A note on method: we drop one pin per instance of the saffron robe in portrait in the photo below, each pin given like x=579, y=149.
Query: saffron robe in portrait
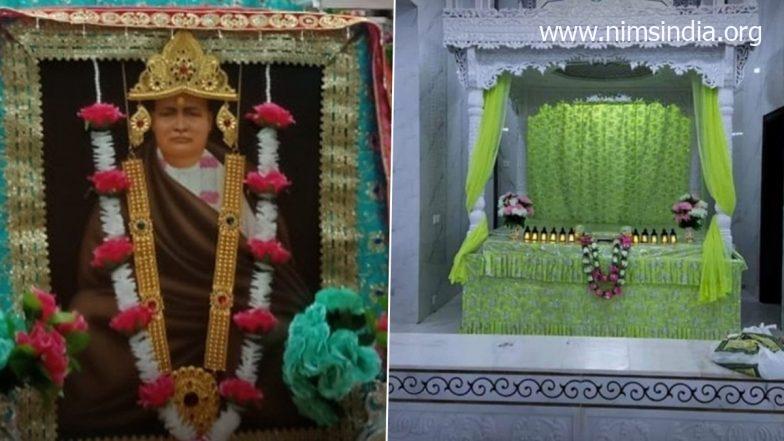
x=102, y=399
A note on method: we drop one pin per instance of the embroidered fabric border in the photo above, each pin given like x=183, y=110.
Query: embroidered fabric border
x=245, y=19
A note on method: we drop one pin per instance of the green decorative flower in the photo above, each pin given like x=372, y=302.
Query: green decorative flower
x=306, y=346
x=322, y=365
x=340, y=299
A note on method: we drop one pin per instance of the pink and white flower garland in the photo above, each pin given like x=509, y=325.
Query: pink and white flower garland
x=618, y=265
x=266, y=182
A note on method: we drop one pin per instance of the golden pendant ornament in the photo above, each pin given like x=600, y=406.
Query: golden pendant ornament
x=139, y=123
x=196, y=397
x=227, y=124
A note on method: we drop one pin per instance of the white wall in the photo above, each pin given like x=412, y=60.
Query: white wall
x=758, y=94
x=404, y=253
x=426, y=224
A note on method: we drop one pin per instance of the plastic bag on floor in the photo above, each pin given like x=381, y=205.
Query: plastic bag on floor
x=754, y=352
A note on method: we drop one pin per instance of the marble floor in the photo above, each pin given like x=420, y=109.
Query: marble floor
x=446, y=320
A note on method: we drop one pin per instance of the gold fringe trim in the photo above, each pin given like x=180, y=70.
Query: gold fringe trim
x=339, y=175
x=24, y=172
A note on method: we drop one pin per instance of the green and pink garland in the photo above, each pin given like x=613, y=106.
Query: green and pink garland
x=619, y=263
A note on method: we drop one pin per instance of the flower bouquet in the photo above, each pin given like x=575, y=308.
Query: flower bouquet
x=690, y=214
x=515, y=209
x=39, y=350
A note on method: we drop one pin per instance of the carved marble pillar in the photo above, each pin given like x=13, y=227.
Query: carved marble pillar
x=475, y=108
x=726, y=107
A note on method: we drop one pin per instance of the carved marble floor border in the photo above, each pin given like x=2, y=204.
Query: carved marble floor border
x=681, y=393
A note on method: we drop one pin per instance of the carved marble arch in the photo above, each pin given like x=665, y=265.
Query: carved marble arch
x=717, y=66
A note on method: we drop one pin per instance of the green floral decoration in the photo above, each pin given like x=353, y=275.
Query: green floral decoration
x=328, y=354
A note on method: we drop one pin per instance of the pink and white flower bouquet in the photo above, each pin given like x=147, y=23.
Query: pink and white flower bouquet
x=690, y=211
x=515, y=209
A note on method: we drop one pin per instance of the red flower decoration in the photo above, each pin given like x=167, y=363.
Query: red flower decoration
x=100, y=115
x=267, y=183
x=112, y=252
x=156, y=393
x=256, y=320
x=269, y=251
x=50, y=347
x=110, y=182
x=240, y=392
x=382, y=325
x=79, y=324
x=270, y=115
x=47, y=301
x=132, y=320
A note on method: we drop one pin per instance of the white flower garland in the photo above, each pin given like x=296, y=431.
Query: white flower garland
x=113, y=225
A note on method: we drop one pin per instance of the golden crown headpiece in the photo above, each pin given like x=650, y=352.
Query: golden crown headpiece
x=182, y=67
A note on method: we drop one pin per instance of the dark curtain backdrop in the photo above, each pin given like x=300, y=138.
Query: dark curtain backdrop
x=68, y=86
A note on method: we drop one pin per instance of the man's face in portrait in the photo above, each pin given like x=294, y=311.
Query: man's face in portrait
x=181, y=125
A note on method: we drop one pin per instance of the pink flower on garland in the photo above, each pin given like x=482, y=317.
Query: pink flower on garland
x=100, y=115
x=267, y=183
x=240, y=392
x=47, y=303
x=110, y=182
x=270, y=115
x=156, y=393
x=79, y=324
x=132, y=320
x=625, y=241
x=586, y=239
x=112, y=252
x=50, y=347
x=269, y=251
x=256, y=320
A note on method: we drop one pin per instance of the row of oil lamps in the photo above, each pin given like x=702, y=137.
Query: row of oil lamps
x=553, y=235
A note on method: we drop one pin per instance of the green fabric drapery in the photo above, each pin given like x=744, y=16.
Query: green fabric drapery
x=608, y=163
x=480, y=168
x=716, y=280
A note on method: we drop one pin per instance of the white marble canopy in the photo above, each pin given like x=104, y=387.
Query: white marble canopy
x=488, y=42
